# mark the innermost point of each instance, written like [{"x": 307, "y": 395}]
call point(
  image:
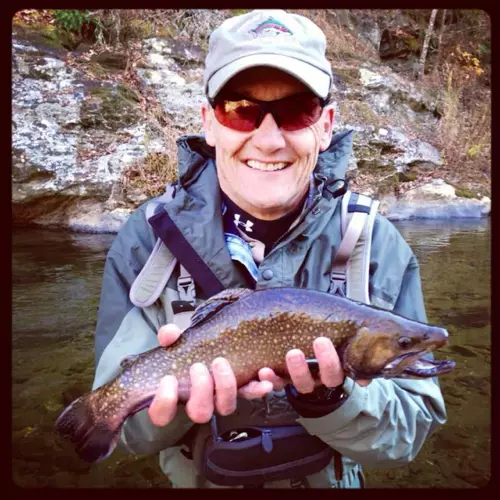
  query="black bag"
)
[{"x": 251, "y": 456}]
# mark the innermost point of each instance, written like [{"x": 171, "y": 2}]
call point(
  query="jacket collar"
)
[{"x": 196, "y": 207}]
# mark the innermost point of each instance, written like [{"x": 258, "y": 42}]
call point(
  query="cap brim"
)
[{"x": 318, "y": 81}]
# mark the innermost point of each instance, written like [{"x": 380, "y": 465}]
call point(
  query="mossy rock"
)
[
  {"x": 46, "y": 39},
  {"x": 406, "y": 176},
  {"x": 110, "y": 107},
  {"x": 111, "y": 60},
  {"x": 358, "y": 112},
  {"x": 139, "y": 28},
  {"x": 465, "y": 193},
  {"x": 348, "y": 76},
  {"x": 29, "y": 172}
]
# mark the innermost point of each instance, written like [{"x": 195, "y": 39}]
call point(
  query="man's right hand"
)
[{"x": 208, "y": 392}]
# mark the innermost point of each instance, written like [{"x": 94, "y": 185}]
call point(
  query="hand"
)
[
  {"x": 208, "y": 391},
  {"x": 330, "y": 369}
]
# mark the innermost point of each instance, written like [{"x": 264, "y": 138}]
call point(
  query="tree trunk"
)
[
  {"x": 427, "y": 39},
  {"x": 440, "y": 39}
]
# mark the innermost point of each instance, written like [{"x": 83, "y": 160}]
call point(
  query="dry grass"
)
[
  {"x": 464, "y": 131},
  {"x": 341, "y": 43},
  {"x": 193, "y": 25},
  {"x": 359, "y": 112},
  {"x": 152, "y": 173}
]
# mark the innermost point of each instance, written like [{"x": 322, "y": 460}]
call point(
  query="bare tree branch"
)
[{"x": 425, "y": 46}]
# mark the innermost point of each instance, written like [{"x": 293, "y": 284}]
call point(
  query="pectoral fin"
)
[
  {"x": 218, "y": 302},
  {"x": 127, "y": 361}
]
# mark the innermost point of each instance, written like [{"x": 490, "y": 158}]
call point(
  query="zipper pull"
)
[{"x": 267, "y": 441}]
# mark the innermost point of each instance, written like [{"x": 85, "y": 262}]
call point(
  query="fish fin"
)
[
  {"x": 218, "y": 302},
  {"x": 93, "y": 440},
  {"x": 128, "y": 360}
]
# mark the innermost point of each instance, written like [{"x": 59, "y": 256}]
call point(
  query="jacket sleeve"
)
[
  {"x": 386, "y": 423},
  {"x": 124, "y": 329}
]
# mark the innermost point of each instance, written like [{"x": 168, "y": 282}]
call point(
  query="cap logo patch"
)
[{"x": 270, "y": 27}]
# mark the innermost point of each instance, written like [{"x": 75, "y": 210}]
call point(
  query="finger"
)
[
  {"x": 268, "y": 374},
  {"x": 164, "y": 405},
  {"x": 255, "y": 389},
  {"x": 330, "y": 369},
  {"x": 200, "y": 406},
  {"x": 225, "y": 386},
  {"x": 299, "y": 371},
  {"x": 168, "y": 334}
]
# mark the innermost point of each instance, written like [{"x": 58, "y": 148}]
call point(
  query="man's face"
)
[{"x": 244, "y": 159}]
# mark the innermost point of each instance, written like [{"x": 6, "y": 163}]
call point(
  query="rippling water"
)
[{"x": 56, "y": 287}]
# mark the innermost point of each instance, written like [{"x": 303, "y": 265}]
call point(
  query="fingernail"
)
[
  {"x": 322, "y": 343},
  {"x": 296, "y": 359},
  {"x": 221, "y": 365},
  {"x": 198, "y": 368}
]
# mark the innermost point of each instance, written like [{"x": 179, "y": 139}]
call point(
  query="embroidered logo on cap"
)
[{"x": 271, "y": 27}]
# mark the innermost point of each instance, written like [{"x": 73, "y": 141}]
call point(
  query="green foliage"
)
[
  {"x": 238, "y": 12},
  {"x": 473, "y": 151},
  {"x": 73, "y": 20},
  {"x": 465, "y": 193},
  {"x": 413, "y": 44}
]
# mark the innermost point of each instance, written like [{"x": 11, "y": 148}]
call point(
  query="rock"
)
[
  {"x": 180, "y": 100},
  {"x": 459, "y": 208},
  {"x": 109, "y": 106},
  {"x": 486, "y": 210},
  {"x": 111, "y": 60},
  {"x": 438, "y": 189},
  {"x": 434, "y": 200},
  {"x": 419, "y": 153}
]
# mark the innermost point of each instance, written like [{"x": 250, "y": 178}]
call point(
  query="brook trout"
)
[{"x": 253, "y": 329}]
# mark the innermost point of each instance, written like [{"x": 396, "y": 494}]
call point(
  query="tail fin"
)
[{"x": 94, "y": 439}]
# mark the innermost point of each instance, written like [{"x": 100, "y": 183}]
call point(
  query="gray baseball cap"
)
[{"x": 289, "y": 42}]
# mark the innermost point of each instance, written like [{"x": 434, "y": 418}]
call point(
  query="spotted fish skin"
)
[{"x": 252, "y": 329}]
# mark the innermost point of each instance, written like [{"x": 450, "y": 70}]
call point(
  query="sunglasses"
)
[{"x": 245, "y": 114}]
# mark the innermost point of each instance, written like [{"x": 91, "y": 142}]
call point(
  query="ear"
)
[
  {"x": 207, "y": 118},
  {"x": 327, "y": 121}
]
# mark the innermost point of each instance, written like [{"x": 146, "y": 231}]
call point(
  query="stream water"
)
[{"x": 55, "y": 294}]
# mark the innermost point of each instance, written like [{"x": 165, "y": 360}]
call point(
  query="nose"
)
[{"x": 268, "y": 137}]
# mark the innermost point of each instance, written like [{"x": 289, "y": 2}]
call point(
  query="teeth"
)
[{"x": 267, "y": 167}]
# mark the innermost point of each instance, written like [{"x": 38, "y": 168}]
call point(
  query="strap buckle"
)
[
  {"x": 338, "y": 283},
  {"x": 186, "y": 288}
]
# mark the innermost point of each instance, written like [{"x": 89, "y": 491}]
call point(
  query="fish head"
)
[{"x": 391, "y": 348}]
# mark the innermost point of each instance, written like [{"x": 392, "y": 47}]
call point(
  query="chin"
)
[{"x": 272, "y": 208}]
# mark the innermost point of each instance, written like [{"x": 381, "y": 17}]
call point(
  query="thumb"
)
[{"x": 168, "y": 334}]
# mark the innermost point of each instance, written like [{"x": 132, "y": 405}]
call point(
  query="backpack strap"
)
[
  {"x": 153, "y": 278},
  {"x": 350, "y": 269}
]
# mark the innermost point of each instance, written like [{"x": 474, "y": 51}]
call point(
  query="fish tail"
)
[{"x": 94, "y": 439}]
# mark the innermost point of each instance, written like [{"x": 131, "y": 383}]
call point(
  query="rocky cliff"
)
[{"x": 79, "y": 124}]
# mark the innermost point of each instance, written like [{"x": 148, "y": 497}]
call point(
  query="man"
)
[{"x": 259, "y": 179}]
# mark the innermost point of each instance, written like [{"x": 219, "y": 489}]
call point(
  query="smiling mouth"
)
[{"x": 267, "y": 166}]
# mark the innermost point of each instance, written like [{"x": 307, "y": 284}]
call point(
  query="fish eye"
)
[{"x": 405, "y": 342}]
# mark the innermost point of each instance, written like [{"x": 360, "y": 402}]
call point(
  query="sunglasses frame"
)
[{"x": 265, "y": 106}]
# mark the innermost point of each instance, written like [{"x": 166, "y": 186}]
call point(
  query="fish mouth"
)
[{"x": 411, "y": 365}]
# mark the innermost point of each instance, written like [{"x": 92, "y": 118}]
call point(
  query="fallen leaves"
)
[{"x": 34, "y": 16}]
